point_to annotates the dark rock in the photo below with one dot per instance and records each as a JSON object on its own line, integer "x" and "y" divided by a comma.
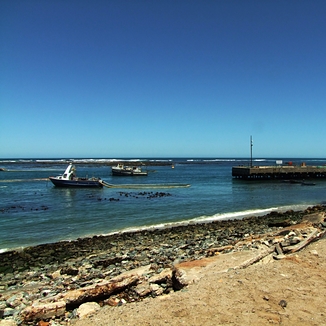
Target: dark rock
{"x": 69, "y": 271}
{"x": 177, "y": 282}
{"x": 280, "y": 223}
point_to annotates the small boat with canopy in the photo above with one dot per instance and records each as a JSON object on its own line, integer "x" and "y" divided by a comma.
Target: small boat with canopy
{"x": 125, "y": 170}
{"x": 69, "y": 179}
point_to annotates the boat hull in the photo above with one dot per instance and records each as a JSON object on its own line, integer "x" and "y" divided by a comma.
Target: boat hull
{"x": 122, "y": 172}
{"x": 76, "y": 183}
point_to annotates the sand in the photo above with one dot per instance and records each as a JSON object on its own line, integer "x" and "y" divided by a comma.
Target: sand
{"x": 290, "y": 291}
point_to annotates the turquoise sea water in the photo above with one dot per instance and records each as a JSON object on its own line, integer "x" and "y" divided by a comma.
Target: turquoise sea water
{"x": 33, "y": 211}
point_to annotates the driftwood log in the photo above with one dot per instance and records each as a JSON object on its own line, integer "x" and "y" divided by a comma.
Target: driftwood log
{"x": 213, "y": 251}
{"x": 291, "y": 249}
{"x": 257, "y": 258}
{"x": 46, "y": 309}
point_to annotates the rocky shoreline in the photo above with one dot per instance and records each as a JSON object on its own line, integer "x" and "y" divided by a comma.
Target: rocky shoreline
{"x": 70, "y": 273}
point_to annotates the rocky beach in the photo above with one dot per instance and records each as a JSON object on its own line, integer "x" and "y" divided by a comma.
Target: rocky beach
{"x": 51, "y": 284}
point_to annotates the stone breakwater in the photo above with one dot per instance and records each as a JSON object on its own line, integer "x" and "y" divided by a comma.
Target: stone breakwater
{"x": 50, "y": 282}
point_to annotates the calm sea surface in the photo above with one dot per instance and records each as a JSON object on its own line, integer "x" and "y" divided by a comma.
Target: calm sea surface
{"x": 33, "y": 211}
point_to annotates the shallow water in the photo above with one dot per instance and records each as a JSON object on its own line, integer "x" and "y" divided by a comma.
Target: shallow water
{"x": 33, "y": 211}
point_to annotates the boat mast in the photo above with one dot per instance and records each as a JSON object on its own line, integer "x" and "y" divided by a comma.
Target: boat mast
{"x": 251, "y": 144}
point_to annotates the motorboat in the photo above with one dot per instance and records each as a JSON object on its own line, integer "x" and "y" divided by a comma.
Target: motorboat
{"x": 125, "y": 170}
{"x": 69, "y": 179}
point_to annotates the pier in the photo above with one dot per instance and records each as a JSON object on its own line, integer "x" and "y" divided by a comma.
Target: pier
{"x": 283, "y": 172}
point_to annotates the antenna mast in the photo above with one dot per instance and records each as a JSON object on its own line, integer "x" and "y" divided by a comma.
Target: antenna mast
{"x": 251, "y": 144}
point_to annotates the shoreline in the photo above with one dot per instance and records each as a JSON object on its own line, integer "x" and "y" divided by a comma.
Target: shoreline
{"x": 46, "y": 271}
{"x": 260, "y": 220}
{"x": 231, "y": 216}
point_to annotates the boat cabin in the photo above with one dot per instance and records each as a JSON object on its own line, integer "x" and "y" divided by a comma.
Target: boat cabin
{"x": 69, "y": 174}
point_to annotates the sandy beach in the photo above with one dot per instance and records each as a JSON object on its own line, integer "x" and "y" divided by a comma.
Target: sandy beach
{"x": 288, "y": 292}
{"x": 255, "y": 271}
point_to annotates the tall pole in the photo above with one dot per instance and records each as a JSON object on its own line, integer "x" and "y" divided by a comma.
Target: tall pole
{"x": 251, "y": 151}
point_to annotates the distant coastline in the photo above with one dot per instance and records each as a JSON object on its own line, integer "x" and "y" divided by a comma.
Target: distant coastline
{"x": 128, "y": 161}
{"x": 152, "y": 161}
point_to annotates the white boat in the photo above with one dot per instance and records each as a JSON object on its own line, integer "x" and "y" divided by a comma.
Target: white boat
{"x": 69, "y": 179}
{"x": 125, "y": 170}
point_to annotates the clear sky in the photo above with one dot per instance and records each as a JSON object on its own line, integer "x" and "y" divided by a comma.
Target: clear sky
{"x": 170, "y": 78}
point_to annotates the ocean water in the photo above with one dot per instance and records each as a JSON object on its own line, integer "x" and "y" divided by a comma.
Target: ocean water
{"x": 33, "y": 211}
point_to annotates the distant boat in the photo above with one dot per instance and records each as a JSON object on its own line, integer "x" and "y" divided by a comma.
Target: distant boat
{"x": 69, "y": 179}
{"x": 124, "y": 170}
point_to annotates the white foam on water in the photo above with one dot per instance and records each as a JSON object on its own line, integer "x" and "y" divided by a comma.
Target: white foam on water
{"x": 216, "y": 217}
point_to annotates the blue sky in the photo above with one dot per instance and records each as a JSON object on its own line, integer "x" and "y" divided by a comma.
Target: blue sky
{"x": 171, "y": 78}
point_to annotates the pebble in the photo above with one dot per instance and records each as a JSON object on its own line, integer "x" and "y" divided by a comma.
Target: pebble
{"x": 87, "y": 308}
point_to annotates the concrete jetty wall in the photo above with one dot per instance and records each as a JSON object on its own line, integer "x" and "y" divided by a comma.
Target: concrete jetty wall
{"x": 278, "y": 172}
